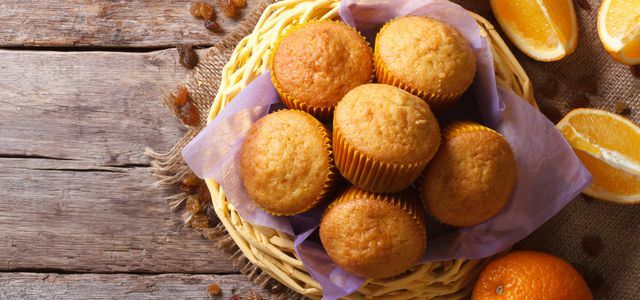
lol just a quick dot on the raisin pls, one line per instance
(580, 101)
(635, 70)
(192, 180)
(228, 8)
(214, 289)
(552, 113)
(584, 4)
(188, 56)
(182, 98)
(212, 25)
(592, 245)
(588, 84)
(207, 12)
(623, 108)
(193, 204)
(234, 297)
(252, 295)
(240, 3)
(189, 114)
(199, 221)
(204, 194)
(194, 10)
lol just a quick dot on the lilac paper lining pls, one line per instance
(549, 173)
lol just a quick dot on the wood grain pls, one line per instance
(102, 23)
(119, 286)
(75, 186)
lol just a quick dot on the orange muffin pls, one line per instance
(425, 57)
(383, 137)
(286, 162)
(471, 177)
(374, 235)
(317, 63)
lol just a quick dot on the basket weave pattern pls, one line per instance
(272, 251)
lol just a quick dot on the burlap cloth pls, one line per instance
(601, 240)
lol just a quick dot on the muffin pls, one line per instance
(374, 235)
(316, 64)
(425, 57)
(286, 162)
(471, 177)
(383, 137)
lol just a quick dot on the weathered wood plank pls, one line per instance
(119, 286)
(59, 215)
(101, 107)
(76, 192)
(103, 23)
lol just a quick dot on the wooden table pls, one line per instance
(80, 89)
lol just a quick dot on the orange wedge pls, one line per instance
(619, 29)
(609, 146)
(545, 30)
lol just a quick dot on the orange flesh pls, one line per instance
(608, 133)
(609, 179)
(560, 11)
(627, 15)
(528, 19)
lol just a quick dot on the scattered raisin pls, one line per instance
(240, 3)
(252, 295)
(623, 108)
(588, 84)
(581, 101)
(212, 25)
(207, 12)
(228, 8)
(193, 204)
(196, 9)
(214, 289)
(199, 221)
(584, 4)
(191, 180)
(186, 110)
(182, 98)
(188, 56)
(234, 297)
(635, 70)
(592, 245)
(203, 193)
(552, 113)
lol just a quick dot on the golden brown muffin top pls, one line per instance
(388, 124)
(319, 62)
(284, 161)
(470, 178)
(427, 54)
(374, 235)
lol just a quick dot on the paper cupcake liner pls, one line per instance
(439, 102)
(407, 200)
(330, 181)
(323, 113)
(371, 174)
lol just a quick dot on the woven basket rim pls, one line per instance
(272, 251)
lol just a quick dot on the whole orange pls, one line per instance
(530, 275)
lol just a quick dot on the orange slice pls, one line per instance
(619, 29)
(609, 146)
(545, 30)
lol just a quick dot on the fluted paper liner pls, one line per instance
(330, 180)
(439, 102)
(323, 113)
(371, 174)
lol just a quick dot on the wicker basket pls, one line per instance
(272, 251)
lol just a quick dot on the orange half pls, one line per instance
(545, 30)
(609, 146)
(619, 29)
